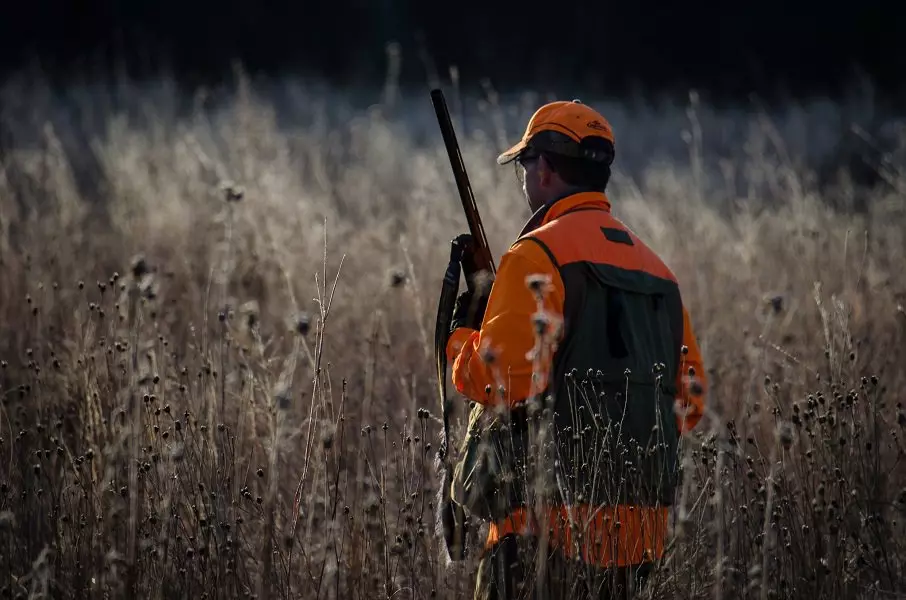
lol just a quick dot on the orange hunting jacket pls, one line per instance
(626, 534)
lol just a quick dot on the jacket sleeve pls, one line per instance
(692, 382)
(498, 357)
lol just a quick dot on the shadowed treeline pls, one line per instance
(771, 47)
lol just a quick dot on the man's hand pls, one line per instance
(470, 304)
(467, 247)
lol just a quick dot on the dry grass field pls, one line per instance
(216, 330)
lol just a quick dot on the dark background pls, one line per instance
(728, 49)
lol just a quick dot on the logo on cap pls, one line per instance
(596, 125)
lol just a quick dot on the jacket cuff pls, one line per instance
(457, 340)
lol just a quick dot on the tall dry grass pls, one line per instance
(216, 338)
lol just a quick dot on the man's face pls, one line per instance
(532, 179)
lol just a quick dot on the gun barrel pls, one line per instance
(484, 260)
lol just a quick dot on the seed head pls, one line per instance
(488, 354)
(177, 452)
(283, 398)
(232, 192)
(538, 283)
(250, 312)
(695, 387)
(397, 277)
(784, 434)
(302, 324)
(541, 322)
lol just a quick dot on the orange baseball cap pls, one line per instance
(565, 127)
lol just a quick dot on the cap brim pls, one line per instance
(511, 154)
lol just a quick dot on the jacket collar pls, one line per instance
(559, 206)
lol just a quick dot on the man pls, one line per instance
(585, 323)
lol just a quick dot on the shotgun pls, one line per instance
(482, 251)
(475, 258)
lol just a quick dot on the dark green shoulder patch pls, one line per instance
(618, 236)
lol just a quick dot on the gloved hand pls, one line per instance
(470, 304)
(467, 258)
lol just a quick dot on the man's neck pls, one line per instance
(538, 216)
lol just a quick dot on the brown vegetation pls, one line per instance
(213, 389)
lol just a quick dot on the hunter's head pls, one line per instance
(567, 147)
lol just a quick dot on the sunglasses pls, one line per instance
(522, 162)
(527, 157)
